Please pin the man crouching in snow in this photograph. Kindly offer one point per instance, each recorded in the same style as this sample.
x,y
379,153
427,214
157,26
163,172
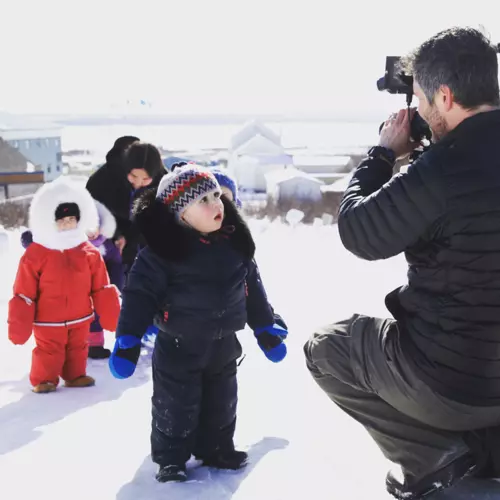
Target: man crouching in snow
x,y
421,382
60,281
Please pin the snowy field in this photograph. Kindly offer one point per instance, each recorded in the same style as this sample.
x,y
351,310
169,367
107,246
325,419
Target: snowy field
x,y
93,444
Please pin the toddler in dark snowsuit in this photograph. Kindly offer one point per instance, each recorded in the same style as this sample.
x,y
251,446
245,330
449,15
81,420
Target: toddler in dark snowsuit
x,y
197,277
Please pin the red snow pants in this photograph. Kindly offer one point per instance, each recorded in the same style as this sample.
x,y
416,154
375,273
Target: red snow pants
x,y
60,352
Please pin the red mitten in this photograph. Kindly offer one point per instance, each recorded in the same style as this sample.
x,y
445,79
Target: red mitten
x,y
21,318
107,306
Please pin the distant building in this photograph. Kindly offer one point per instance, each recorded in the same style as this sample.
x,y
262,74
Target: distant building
x,y
12,162
254,151
291,184
323,167
39,142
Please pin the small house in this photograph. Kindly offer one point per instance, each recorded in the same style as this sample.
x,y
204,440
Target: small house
x,y
254,151
290,184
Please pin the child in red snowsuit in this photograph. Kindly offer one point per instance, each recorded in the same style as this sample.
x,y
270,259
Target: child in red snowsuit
x,y
60,281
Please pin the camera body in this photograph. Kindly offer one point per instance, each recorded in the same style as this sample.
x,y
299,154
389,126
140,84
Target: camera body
x,y
395,81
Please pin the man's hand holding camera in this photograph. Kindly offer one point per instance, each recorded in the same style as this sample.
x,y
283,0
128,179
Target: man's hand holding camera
x,y
395,134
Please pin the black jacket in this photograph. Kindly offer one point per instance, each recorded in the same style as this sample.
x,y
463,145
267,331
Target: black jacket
x,y
444,213
110,186
204,288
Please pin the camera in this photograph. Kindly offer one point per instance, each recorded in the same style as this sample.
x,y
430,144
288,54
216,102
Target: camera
x,y
395,81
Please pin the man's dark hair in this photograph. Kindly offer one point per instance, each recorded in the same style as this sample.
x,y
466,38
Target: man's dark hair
x,y
146,156
464,60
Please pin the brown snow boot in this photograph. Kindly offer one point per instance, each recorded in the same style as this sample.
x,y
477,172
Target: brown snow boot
x,y
44,388
83,381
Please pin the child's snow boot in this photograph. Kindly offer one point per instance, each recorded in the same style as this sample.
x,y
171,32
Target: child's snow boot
x,y
171,473
44,388
230,460
99,352
83,381
96,341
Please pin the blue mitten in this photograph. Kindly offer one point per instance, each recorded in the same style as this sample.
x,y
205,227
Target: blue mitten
x,y
125,356
270,340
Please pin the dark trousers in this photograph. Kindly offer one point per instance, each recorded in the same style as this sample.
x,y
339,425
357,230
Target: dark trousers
x,y
359,364
194,397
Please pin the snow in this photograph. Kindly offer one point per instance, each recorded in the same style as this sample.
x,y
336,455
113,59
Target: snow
x,y
93,443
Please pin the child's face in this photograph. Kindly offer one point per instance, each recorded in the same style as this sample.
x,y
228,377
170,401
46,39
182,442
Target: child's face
x,y
227,193
93,234
206,215
66,223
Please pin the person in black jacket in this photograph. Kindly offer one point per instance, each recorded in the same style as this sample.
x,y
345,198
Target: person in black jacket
x,y
130,166
198,279
420,381
110,186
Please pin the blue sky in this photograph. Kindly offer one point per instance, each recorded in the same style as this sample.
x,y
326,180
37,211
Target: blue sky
x,y
215,56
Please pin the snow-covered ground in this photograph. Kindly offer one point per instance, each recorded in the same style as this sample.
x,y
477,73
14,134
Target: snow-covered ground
x,y
93,444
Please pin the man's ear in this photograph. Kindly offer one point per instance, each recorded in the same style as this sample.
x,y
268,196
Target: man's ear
x,y
444,98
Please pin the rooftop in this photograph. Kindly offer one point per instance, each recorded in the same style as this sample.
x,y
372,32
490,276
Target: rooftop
x,y
251,129
11,160
284,174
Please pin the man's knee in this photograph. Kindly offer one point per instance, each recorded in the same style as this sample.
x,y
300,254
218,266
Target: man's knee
x,y
329,347
311,347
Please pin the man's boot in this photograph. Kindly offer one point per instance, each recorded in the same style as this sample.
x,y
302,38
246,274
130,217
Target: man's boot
x,y
406,488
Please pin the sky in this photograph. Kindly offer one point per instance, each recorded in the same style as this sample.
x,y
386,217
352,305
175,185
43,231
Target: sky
x,y
215,56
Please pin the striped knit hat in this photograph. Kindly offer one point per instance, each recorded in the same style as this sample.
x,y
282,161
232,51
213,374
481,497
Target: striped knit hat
x,y
184,186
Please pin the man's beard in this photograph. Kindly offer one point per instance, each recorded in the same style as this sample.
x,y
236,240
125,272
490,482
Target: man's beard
x,y
437,124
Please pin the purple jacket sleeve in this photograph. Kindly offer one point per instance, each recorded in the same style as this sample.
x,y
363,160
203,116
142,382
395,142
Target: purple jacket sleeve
x,y
113,261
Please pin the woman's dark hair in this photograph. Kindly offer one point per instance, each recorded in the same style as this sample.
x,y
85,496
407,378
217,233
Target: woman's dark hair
x,y
115,154
143,155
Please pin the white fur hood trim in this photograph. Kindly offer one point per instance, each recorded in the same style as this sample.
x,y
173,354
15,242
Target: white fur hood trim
x,y
107,220
43,208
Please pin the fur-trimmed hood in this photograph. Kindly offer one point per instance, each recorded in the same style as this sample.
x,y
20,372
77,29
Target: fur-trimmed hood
x,y
107,222
173,241
42,214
